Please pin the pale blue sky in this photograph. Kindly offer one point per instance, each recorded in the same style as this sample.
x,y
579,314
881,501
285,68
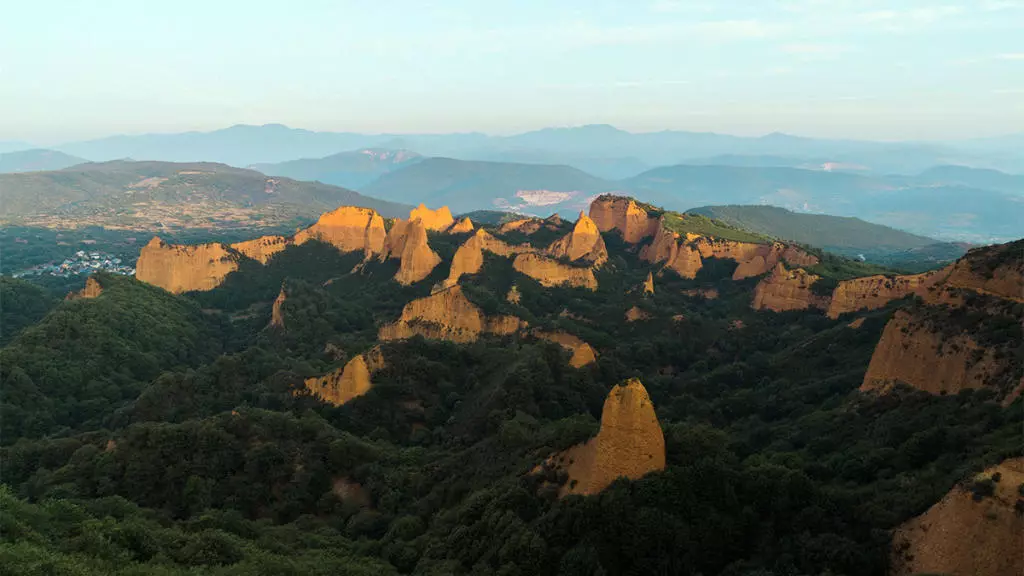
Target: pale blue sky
x,y
842,68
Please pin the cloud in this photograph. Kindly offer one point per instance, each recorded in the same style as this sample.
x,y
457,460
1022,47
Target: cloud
x,y
903,20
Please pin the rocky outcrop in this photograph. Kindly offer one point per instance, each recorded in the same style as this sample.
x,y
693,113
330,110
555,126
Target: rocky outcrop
x,y
276,313
623,214
967,535
348,229
705,293
180,269
524,225
636,314
513,296
463,226
629,444
649,284
994,270
263,248
754,259
352,381
871,292
92,290
436,220
447,315
582,353
583,243
679,256
469,258
784,290
550,272
918,353
418,260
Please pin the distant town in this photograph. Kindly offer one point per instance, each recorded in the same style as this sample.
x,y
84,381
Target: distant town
x,y
81,263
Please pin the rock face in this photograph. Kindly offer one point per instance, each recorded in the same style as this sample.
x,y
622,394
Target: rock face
x,y
263,248
916,352
418,260
463,226
630,443
996,270
550,272
276,314
92,290
622,214
437,220
582,353
513,296
447,315
872,292
352,381
964,536
649,284
348,229
583,243
754,259
635,314
180,269
470,256
525,225
784,290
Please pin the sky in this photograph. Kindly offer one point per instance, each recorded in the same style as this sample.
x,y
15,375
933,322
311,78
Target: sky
x,y
865,69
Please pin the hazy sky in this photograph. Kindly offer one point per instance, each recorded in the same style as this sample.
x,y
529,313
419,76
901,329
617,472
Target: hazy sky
x,y
898,69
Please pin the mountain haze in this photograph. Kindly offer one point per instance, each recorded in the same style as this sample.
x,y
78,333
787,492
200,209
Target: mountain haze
x,y
353,169
34,160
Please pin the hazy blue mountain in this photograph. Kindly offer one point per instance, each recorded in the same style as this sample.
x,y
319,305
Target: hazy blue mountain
x,y
475,185
14,146
847,236
38,159
974,178
353,169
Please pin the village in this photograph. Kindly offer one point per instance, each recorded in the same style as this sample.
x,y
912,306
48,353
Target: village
x,y
81,263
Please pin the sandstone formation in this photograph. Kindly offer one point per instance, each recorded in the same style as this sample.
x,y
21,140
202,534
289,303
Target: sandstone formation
x,y
754,259
917,353
180,269
622,214
636,314
263,248
447,315
995,270
513,295
705,293
525,225
666,248
649,284
582,353
463,226
92,289
583,243
276,314
470,256
550,272
962,535
418,260
784,290
348,229
340,386
871,292
629,444
437,220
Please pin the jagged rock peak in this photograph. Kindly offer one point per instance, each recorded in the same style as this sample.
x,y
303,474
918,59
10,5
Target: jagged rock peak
x,y
462,226
469,257
583,243
437,220
276,313
784,290
649,284
349,229
180,269
447,315
418,260
92,290
342,385
262,249
623,214
629,444
550,272
582,353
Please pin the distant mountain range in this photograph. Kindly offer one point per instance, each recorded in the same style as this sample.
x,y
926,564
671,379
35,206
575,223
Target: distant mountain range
x,y
346,169
601,149
160,195
37,159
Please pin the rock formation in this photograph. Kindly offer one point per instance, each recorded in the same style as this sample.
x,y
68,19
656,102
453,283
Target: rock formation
x,y
418,260
623,214
871,292
469,258
348,229
629,444
649,284
352,381
582,353
666,248
525,225
463,226
754,259
916,352
550,272
635,314
705,293
964,535
787,290
436,220
92,289
995,270
447,315
513,295
583,243
276,314
263,248
180,269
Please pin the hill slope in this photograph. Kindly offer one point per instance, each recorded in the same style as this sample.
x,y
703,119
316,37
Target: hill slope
x,y
352,169
850,237
148,195
38,159
472,185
